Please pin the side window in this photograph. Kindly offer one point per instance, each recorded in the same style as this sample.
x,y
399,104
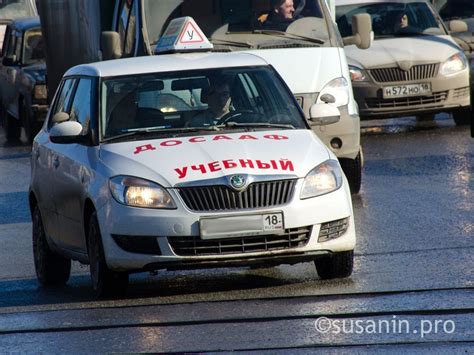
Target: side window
x,y
10,46
81,105
63,99
126,26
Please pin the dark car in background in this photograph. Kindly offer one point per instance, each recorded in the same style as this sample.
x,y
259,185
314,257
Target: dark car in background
x,y
12,9
23,91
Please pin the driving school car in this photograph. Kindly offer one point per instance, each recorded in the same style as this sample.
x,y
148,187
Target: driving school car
x,y
122,181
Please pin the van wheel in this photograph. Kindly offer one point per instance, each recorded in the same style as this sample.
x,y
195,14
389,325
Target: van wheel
x,y
462,117
12,126
335,265
353,170
105,282
51,269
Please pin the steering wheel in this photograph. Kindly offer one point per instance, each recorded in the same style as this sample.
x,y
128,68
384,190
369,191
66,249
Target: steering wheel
x,y
241,116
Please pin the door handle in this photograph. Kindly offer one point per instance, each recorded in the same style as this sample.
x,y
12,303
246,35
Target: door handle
x,y
56,162
36,154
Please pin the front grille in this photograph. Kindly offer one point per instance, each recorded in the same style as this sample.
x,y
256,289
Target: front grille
x,y
435,98
416,72
193,246
460,93
222,198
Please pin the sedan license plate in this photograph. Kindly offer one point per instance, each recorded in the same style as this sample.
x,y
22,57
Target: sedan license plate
x,y
406,90
238,226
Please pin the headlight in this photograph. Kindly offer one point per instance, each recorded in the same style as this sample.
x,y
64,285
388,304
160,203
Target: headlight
x,y
339,88
357,74
325,178
132,191
454,64
40,92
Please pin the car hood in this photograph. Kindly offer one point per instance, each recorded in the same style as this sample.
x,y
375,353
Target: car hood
x,y
391,51
37,72
304,69
188,159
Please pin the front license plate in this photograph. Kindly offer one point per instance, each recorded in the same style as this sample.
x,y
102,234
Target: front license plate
x,y
239,226
406,90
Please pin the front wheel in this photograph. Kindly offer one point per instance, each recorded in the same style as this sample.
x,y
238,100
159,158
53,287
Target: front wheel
x,y
51,269
336,265
353,170
105,282
462,117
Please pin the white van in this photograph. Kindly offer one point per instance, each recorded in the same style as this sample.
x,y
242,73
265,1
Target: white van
x,y
305,48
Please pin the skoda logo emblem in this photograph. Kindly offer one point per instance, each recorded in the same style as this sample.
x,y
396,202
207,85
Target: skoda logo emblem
x,y
237,181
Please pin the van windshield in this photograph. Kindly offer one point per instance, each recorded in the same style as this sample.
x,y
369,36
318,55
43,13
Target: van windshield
x,y
250,22
391,19
11,9
455,9
194,100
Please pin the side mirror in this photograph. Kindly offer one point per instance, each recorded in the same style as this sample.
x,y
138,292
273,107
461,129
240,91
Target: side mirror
x,y
362,35
9,61
66,132
323,114
457,26
110,45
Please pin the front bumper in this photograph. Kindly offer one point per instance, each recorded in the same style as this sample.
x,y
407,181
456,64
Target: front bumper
x,y
448,94
169,226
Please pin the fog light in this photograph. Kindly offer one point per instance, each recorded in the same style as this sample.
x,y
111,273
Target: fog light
x,y
336,143
333,230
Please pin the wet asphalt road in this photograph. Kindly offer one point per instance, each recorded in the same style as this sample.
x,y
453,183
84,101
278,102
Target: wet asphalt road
x,y
413,266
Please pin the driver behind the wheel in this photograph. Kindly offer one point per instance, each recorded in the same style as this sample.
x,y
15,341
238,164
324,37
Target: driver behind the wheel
x,y
217,96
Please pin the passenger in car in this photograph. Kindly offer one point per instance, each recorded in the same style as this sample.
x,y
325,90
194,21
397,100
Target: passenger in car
x,y
279,17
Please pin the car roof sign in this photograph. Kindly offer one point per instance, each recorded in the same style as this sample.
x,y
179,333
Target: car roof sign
x,y
183,35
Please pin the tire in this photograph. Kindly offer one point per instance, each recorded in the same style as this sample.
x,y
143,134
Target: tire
x,y
336,265
12,127
353,170
462,117
51,269
105,282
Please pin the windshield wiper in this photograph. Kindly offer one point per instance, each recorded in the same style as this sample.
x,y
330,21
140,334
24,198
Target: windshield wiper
x,y
252,125
288,35
161,129
230,43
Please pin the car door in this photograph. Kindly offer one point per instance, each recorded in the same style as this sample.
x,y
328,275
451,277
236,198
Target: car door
x,y
43,163
73,170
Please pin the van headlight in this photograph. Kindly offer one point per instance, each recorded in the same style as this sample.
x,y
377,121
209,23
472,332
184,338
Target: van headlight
x,y
323,179
357,74
454,64
136,192
339,88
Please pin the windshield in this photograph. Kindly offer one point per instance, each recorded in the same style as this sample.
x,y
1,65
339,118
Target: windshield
x,y
238,20
390,19
11,9
453,9
33,51
213,99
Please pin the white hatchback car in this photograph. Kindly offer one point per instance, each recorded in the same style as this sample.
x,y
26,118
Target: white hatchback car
x,y
131,172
